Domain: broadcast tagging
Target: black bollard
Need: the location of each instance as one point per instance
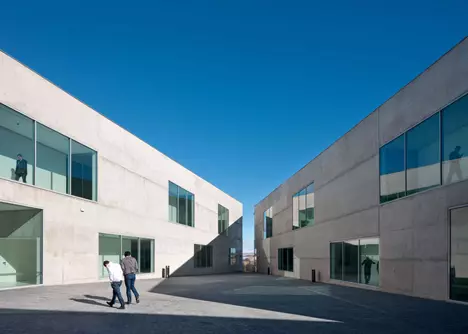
(313, 275)
(163, 272)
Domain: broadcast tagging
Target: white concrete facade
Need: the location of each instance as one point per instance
(132, 197)
(413, 230)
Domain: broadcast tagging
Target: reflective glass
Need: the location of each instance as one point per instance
(84, 171)
(455, 141)
(423, 156)
(109, 250)
(392, 170)
(16, 138)
(268, 223)
(369, 261)
(147, 255)
(190, 209)
(459, 254)
(53, 151)
(173, 202)
(182, 206)
(351, 261)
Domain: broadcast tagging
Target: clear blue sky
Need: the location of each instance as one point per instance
(243, 93)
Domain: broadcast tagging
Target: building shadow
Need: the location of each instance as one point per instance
(50, 322)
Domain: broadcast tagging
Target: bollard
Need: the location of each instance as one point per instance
(163, 272)
(168, 271)
(268, 270)
(313, 275)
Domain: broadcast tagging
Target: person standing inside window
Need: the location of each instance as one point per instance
(21, 170)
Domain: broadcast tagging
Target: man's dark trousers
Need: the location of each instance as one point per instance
(116, 293)
(130, 284)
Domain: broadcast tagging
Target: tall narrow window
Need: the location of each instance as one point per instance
(268, 223)
(83, 171)
(16, 146)
(459, 254)
(181, 205)
(53, 151)
(392, 170)
(455, 141)
(223, 219)
(286, 259)
(203, 256)
(423, 156)
(232, 256)
(304, 207)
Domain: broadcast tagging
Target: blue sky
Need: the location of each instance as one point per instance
(243, 93)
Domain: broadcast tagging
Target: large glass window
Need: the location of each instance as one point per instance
(392, 170)
(223, 219)
(203, 256)
(303, 207)
(83, 171)
(113, 247)
(286, 259)
(459, 254)
(16, 146)
(336, 260)
(20, 246)
(455, 141)
(355, 261)
(423, 156)
(351, 261)
(181, 205)
(268, 223)
(53, 150)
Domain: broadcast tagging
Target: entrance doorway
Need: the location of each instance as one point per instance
(20, 245)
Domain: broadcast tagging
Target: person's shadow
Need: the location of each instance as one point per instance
(88, 301)
(97, 297)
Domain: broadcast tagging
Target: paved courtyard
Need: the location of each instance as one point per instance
(242, 303)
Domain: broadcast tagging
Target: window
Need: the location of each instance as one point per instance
(423, 156)
(223, 219)
(455, 141)
(83, 171)
(181, 205)
(392, 170)
(355, 261)
(112, 247)
(303, 207)
(16, 137)
(459, 254)
(53, 153)
(203, 256)
(268, 223)
(232, 256)
(285, 259)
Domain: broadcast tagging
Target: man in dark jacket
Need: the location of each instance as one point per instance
(367, 263)
(130, 268)
(21, 170)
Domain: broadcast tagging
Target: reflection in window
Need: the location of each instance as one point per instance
(336, 260)
(223, 219)
(303, 207)
(112, 247)
(459, 254)
(146, 255)
(286, 259)
(232, 256)
(268, 223)
(455, 141)
(356, 261)
(16, 138)
(181, 205)
(83, 171)
(392, 170)
(203, 256)
(423, 156)
(53, 151)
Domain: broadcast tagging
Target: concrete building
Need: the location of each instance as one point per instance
(385, 206)
(86, 190)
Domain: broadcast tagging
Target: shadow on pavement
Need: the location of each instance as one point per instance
(49, 322)
(361, 310)
(88, 301)
(97, 298)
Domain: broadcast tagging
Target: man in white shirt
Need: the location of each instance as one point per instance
(116, 278)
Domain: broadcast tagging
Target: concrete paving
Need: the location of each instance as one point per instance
(239, 303)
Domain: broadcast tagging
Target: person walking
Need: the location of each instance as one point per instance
(115, 278)
(367, 263)
(130, 268)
